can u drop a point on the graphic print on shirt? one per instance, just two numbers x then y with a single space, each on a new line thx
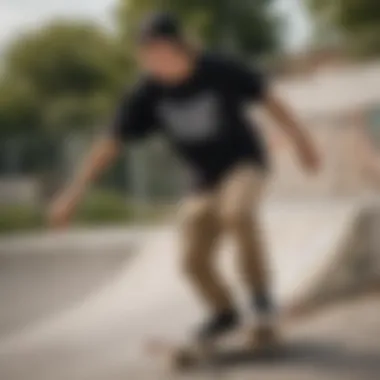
196 119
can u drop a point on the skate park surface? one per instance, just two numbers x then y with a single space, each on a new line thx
82 305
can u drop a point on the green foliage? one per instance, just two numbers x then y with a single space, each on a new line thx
356 22
99 208
248 27
66 58
19 218
73 111
64 75
19 107
105 207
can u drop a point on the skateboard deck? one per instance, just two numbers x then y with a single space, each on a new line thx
242 345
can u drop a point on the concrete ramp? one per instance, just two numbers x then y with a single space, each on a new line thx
42 276
101 337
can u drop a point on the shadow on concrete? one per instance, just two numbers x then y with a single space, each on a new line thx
317 355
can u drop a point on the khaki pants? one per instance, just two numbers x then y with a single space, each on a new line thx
230 208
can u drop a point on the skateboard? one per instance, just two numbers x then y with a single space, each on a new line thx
246 344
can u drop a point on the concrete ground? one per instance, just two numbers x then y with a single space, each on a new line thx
339 343
100 332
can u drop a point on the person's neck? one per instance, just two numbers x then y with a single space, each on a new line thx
188 69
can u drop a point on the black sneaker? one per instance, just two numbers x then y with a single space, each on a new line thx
219 325
266 320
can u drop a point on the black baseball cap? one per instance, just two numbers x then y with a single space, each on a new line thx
160 25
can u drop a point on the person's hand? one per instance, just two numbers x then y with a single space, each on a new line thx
309 159
63 208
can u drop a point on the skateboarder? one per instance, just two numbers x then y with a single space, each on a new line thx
198 101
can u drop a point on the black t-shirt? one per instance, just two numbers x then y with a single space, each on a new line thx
203 118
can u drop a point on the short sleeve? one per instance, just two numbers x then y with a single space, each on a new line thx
247 81
134 118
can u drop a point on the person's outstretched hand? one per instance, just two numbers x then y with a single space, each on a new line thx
309 159
63 208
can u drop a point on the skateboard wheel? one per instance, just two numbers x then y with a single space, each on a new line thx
183 360
263 338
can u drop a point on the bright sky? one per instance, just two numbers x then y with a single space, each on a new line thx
18 15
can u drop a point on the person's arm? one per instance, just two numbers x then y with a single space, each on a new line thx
250 85
133 120
303 143
103 153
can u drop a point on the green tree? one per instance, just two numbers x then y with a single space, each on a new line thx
355 22
249 27
20 108
63 75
